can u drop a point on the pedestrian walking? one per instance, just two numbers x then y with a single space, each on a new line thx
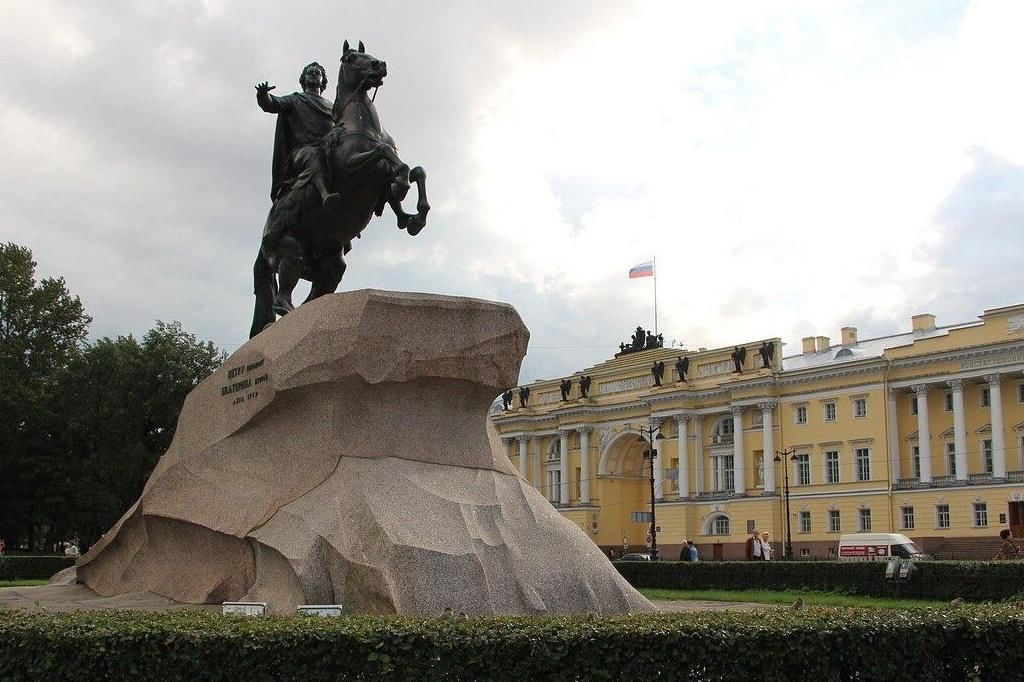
684 551
694 554
766 546
754 552
1008 551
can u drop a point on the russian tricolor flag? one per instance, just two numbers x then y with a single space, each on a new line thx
642 270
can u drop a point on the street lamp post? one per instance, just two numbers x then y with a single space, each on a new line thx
785 491
647 436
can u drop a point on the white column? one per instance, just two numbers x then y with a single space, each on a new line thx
584 432
682 421
699 482
768 446
658 462
923 434
524 442
959 428
538 467
738 465
894 436
995 401
563 465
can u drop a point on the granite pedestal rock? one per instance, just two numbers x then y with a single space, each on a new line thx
344 455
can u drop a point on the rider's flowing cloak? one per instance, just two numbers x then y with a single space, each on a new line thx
303 120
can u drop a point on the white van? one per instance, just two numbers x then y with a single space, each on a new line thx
878 547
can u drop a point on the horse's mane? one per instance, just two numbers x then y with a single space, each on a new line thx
330 141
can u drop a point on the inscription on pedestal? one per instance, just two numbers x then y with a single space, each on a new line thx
244 381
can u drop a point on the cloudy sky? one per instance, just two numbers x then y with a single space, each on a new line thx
794 166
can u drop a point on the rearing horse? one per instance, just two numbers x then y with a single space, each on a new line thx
304 239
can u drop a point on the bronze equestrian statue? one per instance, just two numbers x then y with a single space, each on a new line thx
332 173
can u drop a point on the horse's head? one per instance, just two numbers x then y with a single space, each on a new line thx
360 71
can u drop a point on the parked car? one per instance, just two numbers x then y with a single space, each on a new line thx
636 556
878 547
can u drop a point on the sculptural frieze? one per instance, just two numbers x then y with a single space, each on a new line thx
585 386
641 339
739 356
658 372
682 367
565 387
767 353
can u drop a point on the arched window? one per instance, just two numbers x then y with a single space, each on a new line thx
719 525
721 432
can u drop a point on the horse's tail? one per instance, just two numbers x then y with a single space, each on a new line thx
265 288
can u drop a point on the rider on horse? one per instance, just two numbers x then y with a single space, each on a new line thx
335 167
303 119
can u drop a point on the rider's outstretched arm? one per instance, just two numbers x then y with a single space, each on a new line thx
269 103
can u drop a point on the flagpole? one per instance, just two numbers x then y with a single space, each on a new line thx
654 268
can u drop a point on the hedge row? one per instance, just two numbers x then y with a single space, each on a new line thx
972 580
969 642
32 567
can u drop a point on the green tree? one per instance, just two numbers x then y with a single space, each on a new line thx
42 328
121 401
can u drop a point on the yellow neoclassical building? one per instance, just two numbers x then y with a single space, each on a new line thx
920 433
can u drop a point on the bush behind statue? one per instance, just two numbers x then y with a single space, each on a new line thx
32 567
943 580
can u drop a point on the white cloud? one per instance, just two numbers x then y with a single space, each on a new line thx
788 163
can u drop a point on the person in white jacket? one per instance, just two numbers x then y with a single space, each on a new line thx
766 546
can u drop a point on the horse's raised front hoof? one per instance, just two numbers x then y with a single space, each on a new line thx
415 224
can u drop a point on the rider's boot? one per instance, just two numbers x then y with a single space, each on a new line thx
328 199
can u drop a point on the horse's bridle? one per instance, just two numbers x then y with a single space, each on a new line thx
349 99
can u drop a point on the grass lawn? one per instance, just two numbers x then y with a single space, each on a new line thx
21 583
790 596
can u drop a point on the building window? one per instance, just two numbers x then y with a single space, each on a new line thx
830 411
986 397
915 458
834 526
722 432
860 407
913 405
1020 392
907 517
803 469
723 476
805 553
980 514
862 460
832 466
555 451
947 403
801 414
865 520
720 525
986 452
951 459
805 521
942 515
576 483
